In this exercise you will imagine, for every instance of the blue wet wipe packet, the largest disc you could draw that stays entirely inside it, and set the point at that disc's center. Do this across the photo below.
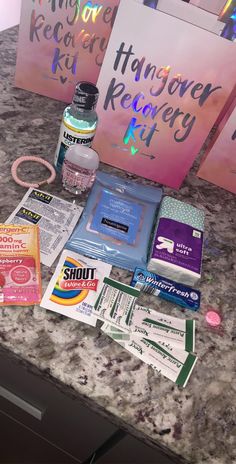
(167, 289)
(117, 217)
(117, 222)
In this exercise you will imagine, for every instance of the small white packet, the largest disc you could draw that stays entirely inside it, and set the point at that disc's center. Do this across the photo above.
(115, 299)
(116, 334)
(75, 286)
(55, 217)
(176, 365)
(141, 321)
(145, 322)
(166, 359)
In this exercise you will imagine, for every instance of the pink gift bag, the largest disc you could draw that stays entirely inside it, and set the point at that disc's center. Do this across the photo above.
(61, 42)
(219, 164)
(162, 86)
(214, 6)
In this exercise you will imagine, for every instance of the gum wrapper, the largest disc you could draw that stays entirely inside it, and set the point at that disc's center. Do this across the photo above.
(166, 289)
(20, 278)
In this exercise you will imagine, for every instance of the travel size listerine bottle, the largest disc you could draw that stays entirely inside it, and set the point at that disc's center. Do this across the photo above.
(79, 121)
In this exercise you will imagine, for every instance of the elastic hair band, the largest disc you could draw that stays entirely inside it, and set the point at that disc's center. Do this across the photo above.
(36, 159)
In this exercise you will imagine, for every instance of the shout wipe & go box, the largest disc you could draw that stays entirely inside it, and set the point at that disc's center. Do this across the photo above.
(75, 286)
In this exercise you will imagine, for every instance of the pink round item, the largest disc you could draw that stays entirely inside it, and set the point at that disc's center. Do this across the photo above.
(213, 318)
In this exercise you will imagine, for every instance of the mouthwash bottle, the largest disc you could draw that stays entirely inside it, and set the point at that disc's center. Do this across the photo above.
(79, 121)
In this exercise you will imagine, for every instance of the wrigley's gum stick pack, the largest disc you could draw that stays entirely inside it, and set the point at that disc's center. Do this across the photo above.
(166, 289)
(20, 278)
(151, 324)
(115, 299)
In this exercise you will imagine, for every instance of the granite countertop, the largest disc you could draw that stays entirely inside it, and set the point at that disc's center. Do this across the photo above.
(196, 424)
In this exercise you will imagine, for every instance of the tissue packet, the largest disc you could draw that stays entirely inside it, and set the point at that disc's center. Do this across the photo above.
(117, 222)
(167, 289)
(20, 278)
(75, 286)
(178, 242)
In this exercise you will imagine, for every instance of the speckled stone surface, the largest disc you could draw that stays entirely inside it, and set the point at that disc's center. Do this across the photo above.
(196, 424)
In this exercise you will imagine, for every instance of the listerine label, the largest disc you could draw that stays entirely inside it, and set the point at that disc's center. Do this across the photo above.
(70, 135)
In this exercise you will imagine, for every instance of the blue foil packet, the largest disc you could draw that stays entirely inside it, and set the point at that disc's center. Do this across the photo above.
(167, 289)
(117, 222)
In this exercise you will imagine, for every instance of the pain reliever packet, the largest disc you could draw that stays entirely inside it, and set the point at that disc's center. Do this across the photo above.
(20, 278)
(115, 299)
(116, 334)
(175, 364)
(152, 324)
(55, 217)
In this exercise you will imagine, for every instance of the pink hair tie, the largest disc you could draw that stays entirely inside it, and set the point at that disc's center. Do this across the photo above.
(37, 159)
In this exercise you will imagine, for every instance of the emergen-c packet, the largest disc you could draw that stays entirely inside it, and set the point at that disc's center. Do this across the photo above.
(20, 278)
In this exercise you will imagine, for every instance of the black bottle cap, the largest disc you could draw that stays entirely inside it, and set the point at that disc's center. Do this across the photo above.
(86, 95)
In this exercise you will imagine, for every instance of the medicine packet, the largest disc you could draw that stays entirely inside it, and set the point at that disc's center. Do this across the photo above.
(116, 334)
(115, 299)
(166, 289)
(174, 364)
(148, 323)
(55, 217)
(20, 278)
(75, 286)
(116, 305)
